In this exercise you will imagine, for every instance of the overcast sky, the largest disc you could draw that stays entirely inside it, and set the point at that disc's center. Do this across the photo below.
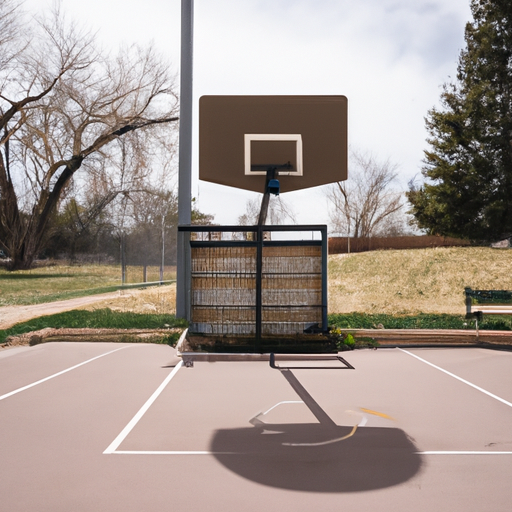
(389, 57)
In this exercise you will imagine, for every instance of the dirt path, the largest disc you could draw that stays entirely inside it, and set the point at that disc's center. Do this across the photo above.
(10, 315)
(155, 299)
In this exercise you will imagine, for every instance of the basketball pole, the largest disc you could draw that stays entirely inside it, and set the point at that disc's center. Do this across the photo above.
(185, 161)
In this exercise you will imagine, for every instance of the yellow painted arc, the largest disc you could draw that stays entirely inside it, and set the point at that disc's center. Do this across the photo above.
(376, 413)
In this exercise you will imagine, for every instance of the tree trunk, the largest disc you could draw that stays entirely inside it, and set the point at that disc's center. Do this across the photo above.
(26, 236)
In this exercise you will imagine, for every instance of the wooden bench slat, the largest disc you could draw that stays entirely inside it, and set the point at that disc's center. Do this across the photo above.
(487, 301)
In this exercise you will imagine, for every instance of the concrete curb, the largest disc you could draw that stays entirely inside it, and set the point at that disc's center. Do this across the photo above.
(50, 334)
(182, 345)
(386, 338)
(434, 337)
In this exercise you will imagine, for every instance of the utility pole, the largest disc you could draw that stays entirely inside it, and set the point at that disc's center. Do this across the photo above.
(185, 161)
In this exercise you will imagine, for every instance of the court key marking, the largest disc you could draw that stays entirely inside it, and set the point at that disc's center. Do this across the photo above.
(112, 449)
(129, 427)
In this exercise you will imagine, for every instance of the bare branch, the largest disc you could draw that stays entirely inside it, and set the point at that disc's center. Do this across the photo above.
(66, 104)
(365, 202)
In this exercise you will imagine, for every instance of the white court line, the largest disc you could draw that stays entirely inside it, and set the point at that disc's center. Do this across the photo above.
(142, 452)
(462, 453)
(126, 430)
(19, 390)
(146, 452)
(175, 452)
(460, 379)
(283, 402)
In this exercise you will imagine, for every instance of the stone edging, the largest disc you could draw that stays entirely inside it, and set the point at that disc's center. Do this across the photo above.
(97, 335)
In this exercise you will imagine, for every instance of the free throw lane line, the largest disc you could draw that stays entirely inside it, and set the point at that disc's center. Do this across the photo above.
(126, 430)
(146, 452)
(19, 390)
(458, 378)
(462, 453)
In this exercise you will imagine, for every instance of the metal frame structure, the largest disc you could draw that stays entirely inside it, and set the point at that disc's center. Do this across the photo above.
(259, 243)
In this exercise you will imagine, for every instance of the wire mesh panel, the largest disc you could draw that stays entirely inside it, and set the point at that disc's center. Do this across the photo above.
(223, 294)
(291, 288)
(225, 278)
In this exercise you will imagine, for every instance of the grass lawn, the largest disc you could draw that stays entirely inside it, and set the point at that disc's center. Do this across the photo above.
(59, 282)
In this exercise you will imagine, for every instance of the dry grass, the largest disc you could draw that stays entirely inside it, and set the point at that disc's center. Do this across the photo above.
(156, 300)
(415, 281)
(391, 282)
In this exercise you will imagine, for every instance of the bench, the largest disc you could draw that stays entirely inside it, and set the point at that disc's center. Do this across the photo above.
(489, 302)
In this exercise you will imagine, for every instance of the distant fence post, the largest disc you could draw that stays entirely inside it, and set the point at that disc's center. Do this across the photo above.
(123, 259)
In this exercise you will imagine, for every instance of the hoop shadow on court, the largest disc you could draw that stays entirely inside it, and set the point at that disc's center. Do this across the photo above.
(317, 457)
(373, 458)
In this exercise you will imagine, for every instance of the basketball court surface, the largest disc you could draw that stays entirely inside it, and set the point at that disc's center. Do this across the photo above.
(104, 427)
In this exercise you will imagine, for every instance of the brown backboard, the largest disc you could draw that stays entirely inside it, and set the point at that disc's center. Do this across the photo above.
(239, 136)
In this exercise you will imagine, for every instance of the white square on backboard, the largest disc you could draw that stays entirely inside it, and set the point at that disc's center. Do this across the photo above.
(249, 137)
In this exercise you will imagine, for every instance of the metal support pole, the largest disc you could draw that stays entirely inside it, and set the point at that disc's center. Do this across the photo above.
(271, 173)
(262, 219)
(325, 249)
(259, 287)
(162, 259)
(185, 161)
(123, 259)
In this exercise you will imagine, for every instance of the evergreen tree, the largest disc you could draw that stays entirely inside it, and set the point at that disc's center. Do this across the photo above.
(468, 192)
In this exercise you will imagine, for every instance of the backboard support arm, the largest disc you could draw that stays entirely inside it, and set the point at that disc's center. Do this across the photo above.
(262, 219)
(272, 173)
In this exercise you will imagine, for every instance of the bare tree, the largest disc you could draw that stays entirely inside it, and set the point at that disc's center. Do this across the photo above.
(366, 205)
(278, 212)
(122, 193)
(69, 103)
(12, 37)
